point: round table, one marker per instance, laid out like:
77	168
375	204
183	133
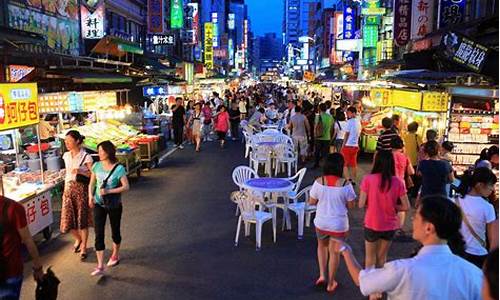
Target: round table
268	185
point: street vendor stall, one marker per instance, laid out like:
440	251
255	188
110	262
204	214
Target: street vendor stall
473	123
25	178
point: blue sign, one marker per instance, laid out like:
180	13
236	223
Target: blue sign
152	91
452	12
349	30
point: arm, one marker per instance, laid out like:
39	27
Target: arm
352	264
123	188
25	235
351	204
362	199
313	201
308	126
492	233
87	171
92	189
409	168
405	203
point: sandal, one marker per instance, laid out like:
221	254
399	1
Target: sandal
331	291
83	256
76	249
320	282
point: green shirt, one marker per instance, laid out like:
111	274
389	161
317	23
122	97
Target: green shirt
327	122
101	174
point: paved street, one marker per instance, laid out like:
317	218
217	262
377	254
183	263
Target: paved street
178	230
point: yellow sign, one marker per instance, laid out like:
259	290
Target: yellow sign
309	76
407	99
381	97
18	105
435	101
209	51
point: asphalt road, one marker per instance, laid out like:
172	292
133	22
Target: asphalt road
178	233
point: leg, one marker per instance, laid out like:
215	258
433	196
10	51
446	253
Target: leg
333	265
370	254
382	250
76	235
115	216
84	233
99	225
402	217
317	153
322	258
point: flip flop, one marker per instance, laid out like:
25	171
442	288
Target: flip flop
76	249
320	283
332	290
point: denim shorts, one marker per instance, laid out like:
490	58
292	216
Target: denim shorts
11	288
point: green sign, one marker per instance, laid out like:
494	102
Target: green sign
369	57
372	20
370	36
176	14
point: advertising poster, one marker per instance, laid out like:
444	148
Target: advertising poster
61	28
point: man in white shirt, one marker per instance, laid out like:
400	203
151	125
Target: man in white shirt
350	148
435	273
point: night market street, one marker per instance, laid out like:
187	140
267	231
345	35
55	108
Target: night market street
178	233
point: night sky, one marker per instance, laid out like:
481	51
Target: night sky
266	16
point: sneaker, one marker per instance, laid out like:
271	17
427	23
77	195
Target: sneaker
97	272
181	147
113	261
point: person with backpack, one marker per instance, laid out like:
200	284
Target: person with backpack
323	131
14	232
107	182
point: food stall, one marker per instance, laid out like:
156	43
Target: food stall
23	158
473	123
427	108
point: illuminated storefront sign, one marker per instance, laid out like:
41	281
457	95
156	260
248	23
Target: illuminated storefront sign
209	54
231	21
215	31
451	12
18	105
422	18
176	14
18	72
402	22
194	19
93	23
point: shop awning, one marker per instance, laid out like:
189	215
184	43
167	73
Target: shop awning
90	77
116	46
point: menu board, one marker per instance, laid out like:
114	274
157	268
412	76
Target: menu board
407	99
76	101
435	101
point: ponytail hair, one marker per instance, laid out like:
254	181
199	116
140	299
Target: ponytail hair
471	178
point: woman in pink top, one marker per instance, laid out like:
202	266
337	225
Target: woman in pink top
222	124
380	192
403	169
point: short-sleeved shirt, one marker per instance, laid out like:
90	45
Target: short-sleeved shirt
385	139
435	176
101	174
242	105
479	212
353	127
327	122
12	243
331	210
381	214
412	146
434	274
401	163
298	122
178	115
221	122
340	129
78	162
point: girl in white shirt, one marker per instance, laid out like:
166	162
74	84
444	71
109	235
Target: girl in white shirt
333	195
478	214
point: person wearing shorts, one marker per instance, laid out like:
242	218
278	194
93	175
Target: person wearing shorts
350	147
333	196
299	126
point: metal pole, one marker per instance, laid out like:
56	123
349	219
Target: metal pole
37	127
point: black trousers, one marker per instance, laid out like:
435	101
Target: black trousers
235	127
321	150
178	133
115	217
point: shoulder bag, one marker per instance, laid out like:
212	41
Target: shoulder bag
469	225
112	200
82	178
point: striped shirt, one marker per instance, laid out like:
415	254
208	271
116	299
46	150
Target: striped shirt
385	139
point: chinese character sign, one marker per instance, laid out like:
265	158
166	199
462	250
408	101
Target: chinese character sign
93	23
464	51
349	22
38	212
451	12
18	105
195	21
402	21
422	20
176	14
209	53
155	16
163	39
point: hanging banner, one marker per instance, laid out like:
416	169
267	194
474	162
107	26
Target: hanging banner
231	21
209	54
155	16
215	31
176	14
194	19
402	22
18	72
370	36
18	105
451	12
464	51
327	39
349	30
422	20
93	23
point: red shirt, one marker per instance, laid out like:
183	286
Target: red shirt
381	214
221	122
16	219
401	162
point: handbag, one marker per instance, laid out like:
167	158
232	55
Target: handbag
82	178
318	128
112	200
468	224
